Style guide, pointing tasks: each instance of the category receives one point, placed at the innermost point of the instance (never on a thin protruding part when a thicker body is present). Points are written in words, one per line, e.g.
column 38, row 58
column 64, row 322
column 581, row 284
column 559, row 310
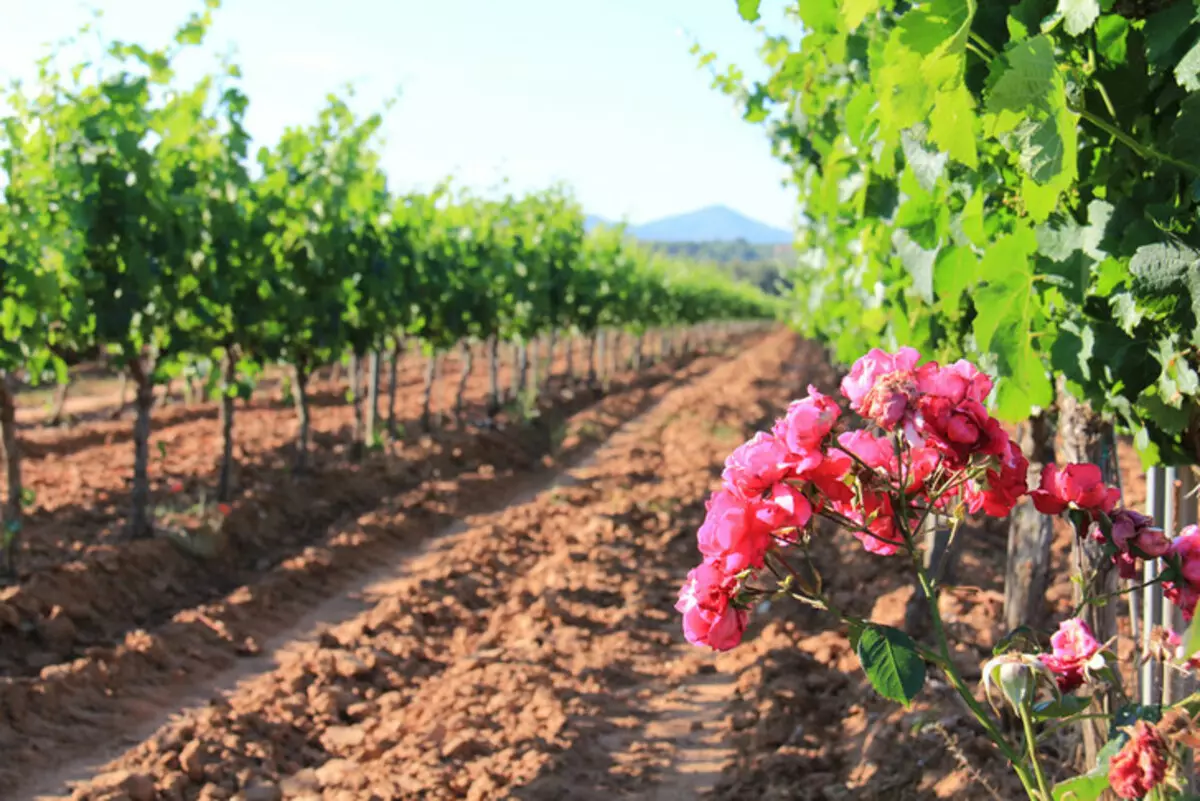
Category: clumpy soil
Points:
column 532, row 652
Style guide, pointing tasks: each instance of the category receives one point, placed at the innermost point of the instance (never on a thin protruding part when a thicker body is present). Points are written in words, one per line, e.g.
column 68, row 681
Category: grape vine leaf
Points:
column 855, row 11
column 749, row 10
column 892, row 664
column 1078, row 15
column 1187, row 71
column 953, row 272
column 1164, row 31
column 1007, row 314
column 952, row 124
column 927, row 166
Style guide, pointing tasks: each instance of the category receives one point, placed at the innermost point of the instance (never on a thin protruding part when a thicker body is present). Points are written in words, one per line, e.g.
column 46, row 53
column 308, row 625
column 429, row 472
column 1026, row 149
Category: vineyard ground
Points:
column 530, row 652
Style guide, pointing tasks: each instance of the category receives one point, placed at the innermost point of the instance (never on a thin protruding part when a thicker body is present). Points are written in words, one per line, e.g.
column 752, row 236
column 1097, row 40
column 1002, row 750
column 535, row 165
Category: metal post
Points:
column 1151, row 676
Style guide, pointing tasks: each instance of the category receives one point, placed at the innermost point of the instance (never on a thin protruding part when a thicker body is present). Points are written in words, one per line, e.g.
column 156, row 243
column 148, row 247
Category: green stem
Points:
column 983, row 44
column 1086, row 602
column 1031, row 747
column 956, row 681
column 1141, row 150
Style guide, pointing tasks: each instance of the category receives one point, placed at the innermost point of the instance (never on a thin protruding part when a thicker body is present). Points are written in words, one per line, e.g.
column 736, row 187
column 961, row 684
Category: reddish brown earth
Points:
column 531, row 653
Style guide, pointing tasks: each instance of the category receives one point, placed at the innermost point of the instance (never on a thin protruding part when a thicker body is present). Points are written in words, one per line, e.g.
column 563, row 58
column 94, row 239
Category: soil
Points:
column 500, row 628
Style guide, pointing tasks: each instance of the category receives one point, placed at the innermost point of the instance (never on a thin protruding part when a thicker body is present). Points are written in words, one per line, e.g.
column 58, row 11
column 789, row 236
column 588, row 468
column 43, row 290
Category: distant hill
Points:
column 711, row 224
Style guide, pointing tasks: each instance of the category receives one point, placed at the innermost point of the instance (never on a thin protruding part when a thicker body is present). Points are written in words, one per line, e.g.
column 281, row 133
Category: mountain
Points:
column 711, row 224
column 595, row 221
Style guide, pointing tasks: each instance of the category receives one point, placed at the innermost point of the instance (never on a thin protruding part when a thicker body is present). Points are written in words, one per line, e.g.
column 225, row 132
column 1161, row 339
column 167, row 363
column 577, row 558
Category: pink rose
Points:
column 1079, row 486
column 881, row 385
column 875, row 515
column 1003, row 485
column 829, row 476
column 756, row 465
column 958, row 431
column 733, row 531
column 785, row 508
column 705, row 601
column 1185, row 549
column 1135, row 537
column 1073, row 647
column 875, row 452
column 956, row 382
column 808, row 421
column 1140, row 765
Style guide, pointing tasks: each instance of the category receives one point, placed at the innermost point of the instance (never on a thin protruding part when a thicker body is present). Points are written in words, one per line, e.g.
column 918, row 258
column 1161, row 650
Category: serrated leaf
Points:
column 1021, row 80
column 1078, row 15
column 890, row 659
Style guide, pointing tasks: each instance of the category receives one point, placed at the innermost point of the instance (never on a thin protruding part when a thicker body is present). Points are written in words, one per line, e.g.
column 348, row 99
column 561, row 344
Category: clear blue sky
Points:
column 600, row 94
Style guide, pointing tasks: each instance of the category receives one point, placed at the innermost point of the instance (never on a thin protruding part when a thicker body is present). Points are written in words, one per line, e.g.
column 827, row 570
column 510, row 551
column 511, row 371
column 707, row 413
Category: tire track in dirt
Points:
column 515, row 658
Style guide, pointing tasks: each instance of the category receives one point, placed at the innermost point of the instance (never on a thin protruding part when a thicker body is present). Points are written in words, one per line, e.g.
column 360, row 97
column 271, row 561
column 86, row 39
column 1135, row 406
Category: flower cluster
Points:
column 928, row 446
column 931, row 445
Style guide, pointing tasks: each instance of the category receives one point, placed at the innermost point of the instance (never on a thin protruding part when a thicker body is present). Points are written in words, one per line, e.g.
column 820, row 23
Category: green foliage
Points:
column 890, row 659
column 1013, row 182
column 131, row 224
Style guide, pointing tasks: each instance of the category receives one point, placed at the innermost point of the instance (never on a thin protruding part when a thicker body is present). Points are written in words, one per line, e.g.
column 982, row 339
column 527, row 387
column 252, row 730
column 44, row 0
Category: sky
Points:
column 603, row 96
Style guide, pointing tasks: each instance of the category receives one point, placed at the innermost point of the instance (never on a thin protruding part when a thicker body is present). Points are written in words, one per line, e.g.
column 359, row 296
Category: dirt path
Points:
column 533, row 653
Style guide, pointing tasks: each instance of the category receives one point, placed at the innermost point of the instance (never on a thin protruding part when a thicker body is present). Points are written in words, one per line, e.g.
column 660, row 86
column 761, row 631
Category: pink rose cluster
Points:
column 1132, row 536
column 931, row 442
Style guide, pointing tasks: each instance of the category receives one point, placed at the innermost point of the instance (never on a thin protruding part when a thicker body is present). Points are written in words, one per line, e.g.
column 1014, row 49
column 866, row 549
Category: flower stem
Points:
column 1031, row 747
column 956, row 681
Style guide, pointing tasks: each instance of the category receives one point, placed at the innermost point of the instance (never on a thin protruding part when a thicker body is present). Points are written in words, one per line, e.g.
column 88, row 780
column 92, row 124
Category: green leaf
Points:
column 892, row 664
column 1021, row 80
column 1191, row 638
column 1164, row 31
column 953, row 272
column 1112, row 35
column 1078, row 15
column 1130, row 714
column 952, row 125
column 1052, row 709
column 927, row 166
column 972, row 219
column 748, row 10
column 1187, row 71
column 1087, row 787
column 855, row 11
column 1009, row 275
